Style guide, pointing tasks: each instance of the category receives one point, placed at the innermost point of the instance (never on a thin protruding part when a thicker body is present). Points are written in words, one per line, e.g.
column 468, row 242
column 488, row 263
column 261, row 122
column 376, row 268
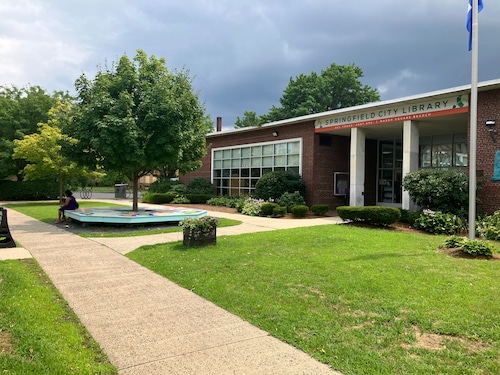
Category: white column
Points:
column 357, row 169
column 411, row 137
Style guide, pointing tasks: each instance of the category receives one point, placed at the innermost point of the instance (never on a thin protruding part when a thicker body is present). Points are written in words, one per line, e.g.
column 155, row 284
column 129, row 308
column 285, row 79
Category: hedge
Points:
column 28, row 190
column 377, row 215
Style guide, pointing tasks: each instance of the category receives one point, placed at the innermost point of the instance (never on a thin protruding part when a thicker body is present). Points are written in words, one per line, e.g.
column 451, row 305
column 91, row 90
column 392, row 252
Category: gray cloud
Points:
column 242, row 54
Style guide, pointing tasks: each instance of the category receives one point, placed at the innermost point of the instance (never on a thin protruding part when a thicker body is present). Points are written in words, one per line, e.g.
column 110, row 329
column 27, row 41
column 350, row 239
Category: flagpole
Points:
column 473, row 123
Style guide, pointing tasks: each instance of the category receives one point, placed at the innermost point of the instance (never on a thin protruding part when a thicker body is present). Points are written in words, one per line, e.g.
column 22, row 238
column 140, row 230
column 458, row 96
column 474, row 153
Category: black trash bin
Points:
column 121, row 191
column 5, row 236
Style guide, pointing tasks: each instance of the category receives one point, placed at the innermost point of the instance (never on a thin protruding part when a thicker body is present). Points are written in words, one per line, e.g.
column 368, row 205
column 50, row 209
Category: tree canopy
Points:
column 338, row 86
column 136, row 117
column 42, row 150
column 21, row 109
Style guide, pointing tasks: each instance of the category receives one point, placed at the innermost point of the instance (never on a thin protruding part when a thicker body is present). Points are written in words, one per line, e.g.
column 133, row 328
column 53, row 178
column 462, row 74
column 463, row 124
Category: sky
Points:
column 242, row 54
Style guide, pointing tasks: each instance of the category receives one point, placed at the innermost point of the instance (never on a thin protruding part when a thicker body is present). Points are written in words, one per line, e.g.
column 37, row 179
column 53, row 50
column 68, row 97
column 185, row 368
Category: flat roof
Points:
column 482, row 86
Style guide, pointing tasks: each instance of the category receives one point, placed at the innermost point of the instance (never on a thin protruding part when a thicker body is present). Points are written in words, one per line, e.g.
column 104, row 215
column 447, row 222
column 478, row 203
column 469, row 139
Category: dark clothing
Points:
column 71, row 204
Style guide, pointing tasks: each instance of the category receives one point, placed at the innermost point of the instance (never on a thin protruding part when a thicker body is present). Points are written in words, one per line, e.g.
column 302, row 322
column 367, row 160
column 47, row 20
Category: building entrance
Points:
column 390, row 172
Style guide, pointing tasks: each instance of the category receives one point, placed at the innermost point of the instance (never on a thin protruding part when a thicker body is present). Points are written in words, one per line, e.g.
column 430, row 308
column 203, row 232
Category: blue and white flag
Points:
column 469, row 19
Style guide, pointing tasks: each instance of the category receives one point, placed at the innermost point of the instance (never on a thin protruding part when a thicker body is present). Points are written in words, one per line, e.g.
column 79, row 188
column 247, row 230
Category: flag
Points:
column 469, row 19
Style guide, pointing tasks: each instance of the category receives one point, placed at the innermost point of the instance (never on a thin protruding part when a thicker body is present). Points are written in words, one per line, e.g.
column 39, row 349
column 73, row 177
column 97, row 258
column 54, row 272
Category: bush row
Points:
column 377, row 215
column 28, row 190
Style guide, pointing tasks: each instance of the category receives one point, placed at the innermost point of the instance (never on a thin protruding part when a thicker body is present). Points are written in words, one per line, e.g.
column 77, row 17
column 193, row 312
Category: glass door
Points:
column 390, row 172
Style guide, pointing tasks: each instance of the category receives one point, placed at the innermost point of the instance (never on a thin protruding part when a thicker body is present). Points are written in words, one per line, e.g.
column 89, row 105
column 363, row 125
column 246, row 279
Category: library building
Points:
column 359, row 156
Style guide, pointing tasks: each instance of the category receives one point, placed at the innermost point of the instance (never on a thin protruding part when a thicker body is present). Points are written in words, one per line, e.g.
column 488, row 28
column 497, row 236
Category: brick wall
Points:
column 487, row 145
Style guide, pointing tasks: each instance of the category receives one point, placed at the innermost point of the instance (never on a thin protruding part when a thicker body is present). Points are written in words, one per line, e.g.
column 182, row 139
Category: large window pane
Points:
column 280, row 149
column 293, row 147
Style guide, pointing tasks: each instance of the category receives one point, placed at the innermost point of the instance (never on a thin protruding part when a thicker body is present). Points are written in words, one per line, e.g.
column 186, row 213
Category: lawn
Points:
column 365, row 301
column 39, row 333
column 47, row 212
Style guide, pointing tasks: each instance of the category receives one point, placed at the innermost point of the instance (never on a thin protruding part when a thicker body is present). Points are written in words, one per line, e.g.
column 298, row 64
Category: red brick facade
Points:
column 487, row 145
column 322, row 157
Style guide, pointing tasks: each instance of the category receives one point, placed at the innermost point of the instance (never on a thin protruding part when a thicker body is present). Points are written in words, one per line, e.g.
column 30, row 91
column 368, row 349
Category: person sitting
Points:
column 69, row 204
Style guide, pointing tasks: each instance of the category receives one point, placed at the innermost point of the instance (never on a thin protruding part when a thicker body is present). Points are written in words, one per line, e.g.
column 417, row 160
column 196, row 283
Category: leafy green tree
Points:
column 42, row 150
column 338, row 86
column 137, row 117
column 21, row 109
column 249, row 119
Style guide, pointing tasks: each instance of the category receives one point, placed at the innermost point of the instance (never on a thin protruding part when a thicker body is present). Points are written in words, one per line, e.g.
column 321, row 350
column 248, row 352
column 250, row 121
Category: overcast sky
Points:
column 242, row 54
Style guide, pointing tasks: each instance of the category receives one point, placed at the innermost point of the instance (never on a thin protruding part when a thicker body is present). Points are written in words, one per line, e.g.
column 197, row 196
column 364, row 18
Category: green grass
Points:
column 358, row 299
column 39, row 334
column 47, row 212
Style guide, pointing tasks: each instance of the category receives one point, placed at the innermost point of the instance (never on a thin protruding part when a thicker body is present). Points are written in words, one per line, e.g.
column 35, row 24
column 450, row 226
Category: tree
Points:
column 249, row 119
column 337, row 86
column 42, row 150
column 137, row 117
column 20, row 112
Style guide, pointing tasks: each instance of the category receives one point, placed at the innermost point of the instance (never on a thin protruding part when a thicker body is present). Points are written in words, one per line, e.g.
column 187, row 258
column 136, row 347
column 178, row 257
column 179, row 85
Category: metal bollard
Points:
column 5, row 236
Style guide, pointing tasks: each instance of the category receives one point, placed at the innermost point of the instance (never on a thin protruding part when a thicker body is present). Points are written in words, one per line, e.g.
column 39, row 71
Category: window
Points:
column 236, row 170
column 443, row 151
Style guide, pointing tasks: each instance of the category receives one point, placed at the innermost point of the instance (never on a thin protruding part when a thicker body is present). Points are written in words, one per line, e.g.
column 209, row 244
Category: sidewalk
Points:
column 146, row 323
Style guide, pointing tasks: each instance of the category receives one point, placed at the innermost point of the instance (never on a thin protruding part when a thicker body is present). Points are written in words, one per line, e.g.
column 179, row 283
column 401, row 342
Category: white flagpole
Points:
column 473, row 123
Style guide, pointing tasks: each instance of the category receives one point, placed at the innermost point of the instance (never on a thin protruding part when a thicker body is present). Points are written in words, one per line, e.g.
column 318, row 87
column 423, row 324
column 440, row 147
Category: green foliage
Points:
column 320, row 209
column 163, row 185
column 409, row 217
column 273, row 185
column 289, row 200
column 199, row 225
column 252, row 207
column 249, row 119
column 439, row 223
column 158, row 198
column 472, row 247
column 477, row 247
column 338, row 86
column 180, row 199
column 137, row 117
column 200, row 185
column 279, row 211
column 489, row 227
column 198, row 198
column 28, row 190
column 21, row 111
column 268, row 208
column 454, row 242
column 439, row 190
column 299, row 210
column 377, row 215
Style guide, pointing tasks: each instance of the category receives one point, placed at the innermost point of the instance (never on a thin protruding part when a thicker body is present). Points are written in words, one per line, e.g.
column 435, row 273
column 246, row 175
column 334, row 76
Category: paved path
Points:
column 146, row 323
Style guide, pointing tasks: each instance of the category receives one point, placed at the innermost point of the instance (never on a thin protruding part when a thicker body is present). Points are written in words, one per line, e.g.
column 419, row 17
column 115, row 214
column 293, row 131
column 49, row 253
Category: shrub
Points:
column 409, row 217
column 476, row 247
column 300, row 210
column 163, row 185
column 273, row 185
column 439, row 190
column 157, row 198
column 198, row 198
column 289, row 200
column 267, row 209
column 320, row 209
column 488, row 227
column 180, row 199
column 279, row 211
column 377, row 215
column 454, row 242
column 28, row 190
column 252, row 207
column 439, row 223
column 200, row 185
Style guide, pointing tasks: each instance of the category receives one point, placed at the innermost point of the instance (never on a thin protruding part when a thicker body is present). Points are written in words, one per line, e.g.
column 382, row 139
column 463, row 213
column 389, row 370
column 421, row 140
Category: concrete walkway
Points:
column 147, row 324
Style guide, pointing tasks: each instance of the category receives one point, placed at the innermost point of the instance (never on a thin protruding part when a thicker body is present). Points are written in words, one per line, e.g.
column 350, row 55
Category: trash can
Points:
column 121, row 191
column 5, row 236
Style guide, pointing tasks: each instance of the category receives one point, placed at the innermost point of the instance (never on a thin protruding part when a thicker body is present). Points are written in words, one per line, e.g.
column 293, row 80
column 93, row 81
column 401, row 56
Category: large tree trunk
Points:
column 135, row 193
